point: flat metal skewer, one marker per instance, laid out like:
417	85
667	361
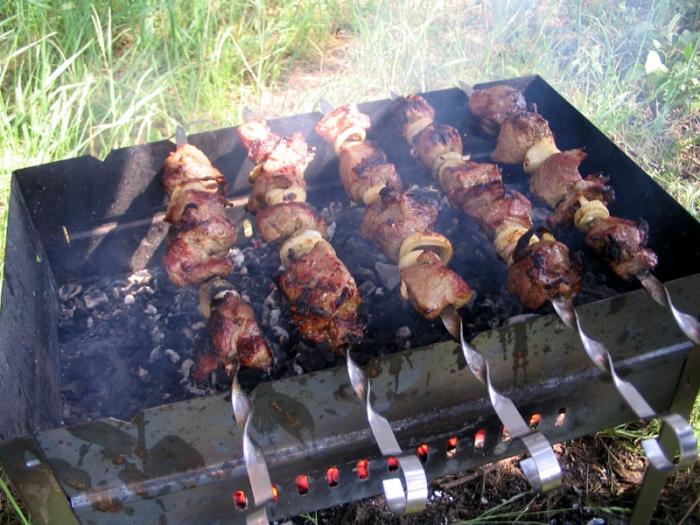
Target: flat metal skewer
661	459
542	468
414	498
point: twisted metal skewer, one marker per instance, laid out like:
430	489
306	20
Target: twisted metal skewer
542	468
413	499
254	460
661	459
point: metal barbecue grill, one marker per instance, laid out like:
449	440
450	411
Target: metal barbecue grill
81	221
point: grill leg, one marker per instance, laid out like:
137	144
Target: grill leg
682	403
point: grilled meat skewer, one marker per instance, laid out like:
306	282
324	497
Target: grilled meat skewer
323	295
536	274
199	239
397	222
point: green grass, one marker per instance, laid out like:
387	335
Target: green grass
79	78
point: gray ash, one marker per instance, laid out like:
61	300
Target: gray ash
130	342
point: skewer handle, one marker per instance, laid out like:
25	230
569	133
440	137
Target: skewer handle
254	460
542	468
400	502
661	459
688	324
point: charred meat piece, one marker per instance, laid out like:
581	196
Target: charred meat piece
542	272
281	221
342	118
290	155
457	181
492	105
621	243
196	250
188	165
258	139
554	177
410	115
592	188
235	332
394	216
518	133
493	205
431	286
436	140
199	206
363	166
324	297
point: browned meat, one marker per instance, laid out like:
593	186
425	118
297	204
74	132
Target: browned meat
457	181
493	204
556	175
290	155
340	119
431	286
235	332
621	243
410	115
324	297
188	165
542	272
518	133
201	205
435	140
493	104
269	181
593	188
281	221
196	250
258	139
395	216
363	166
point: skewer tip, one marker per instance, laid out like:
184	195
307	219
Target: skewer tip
180	135
247	114
393	95
467	88
326	107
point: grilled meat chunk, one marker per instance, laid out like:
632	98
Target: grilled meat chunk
592	188
324	297
281	221
235	332
342	118
518	133
542	272
559	172
258	139
290	155
196	250
457	181
493	205
492	105
410	115
431	286
267	181
436	140
187	165
199	206
395	216
621	243
363	166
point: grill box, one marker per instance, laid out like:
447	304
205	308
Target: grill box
73	220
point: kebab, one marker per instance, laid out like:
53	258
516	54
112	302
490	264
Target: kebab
199	239
322	292
525	137
400	227
323	295
539	266
397	222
